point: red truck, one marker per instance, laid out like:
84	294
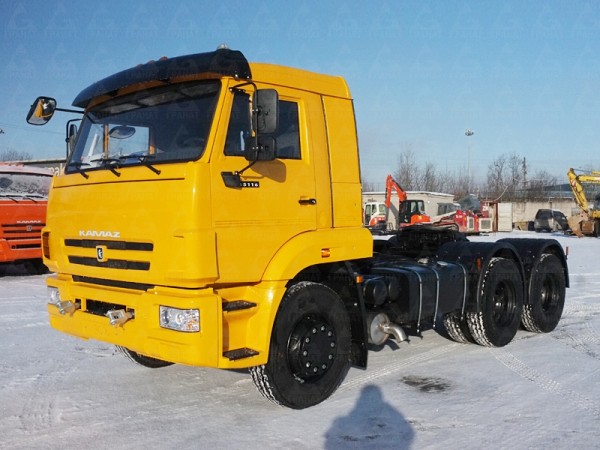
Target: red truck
23	199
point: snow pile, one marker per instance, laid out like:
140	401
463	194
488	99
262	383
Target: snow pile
540	391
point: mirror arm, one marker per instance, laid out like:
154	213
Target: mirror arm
239	172
76	111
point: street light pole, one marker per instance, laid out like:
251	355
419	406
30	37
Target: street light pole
469	133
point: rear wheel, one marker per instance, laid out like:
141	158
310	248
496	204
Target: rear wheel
546	296
310	348
143	360
457	328
497	321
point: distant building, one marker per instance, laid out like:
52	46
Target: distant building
55	165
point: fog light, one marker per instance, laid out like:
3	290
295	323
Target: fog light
67	307
187	320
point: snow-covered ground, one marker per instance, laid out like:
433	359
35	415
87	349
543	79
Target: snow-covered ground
540	391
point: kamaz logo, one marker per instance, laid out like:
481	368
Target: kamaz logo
96	233
100	255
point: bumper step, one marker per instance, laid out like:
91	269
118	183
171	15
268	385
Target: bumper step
239	353
237	305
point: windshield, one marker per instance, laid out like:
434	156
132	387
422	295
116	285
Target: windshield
24	185
164	124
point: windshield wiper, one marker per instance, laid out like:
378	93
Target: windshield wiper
77	165
10	196
143	159
111	164
22	196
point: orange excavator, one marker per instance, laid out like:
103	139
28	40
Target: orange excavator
406	212
410	212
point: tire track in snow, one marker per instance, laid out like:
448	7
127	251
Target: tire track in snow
394	366
579	328
546	383
586	341
39	410
575	307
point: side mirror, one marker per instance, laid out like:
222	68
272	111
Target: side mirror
260	148
41	111
265	114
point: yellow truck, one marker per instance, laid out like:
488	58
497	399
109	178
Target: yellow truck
210	214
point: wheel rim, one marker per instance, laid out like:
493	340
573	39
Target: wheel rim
504	303
312	347
549	293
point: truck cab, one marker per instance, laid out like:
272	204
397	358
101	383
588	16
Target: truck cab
23	199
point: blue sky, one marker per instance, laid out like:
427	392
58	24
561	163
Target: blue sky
524	75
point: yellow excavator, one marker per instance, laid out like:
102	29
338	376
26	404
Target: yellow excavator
586	185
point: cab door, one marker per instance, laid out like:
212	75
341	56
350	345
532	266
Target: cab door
277	200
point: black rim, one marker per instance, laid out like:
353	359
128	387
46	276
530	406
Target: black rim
549	294
312	347
504	303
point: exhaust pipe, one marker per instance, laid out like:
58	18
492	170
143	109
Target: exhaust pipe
380	329
395	330
118	317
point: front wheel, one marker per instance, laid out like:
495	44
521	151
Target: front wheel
497	321
310	348
546	296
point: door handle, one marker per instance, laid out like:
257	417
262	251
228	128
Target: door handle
308	201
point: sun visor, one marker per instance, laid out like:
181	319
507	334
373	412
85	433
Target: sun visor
222	62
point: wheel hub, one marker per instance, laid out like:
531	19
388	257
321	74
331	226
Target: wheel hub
504	304
548	294
312	347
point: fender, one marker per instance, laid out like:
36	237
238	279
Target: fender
476	257
530	251
318	247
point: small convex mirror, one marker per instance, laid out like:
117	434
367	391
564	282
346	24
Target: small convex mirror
121	132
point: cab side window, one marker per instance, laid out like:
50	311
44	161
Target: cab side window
287	136
239	125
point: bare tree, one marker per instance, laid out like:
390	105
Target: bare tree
540	183
367	186
408	172
14	155
507	178
505	175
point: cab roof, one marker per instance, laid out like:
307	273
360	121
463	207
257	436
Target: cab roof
221	62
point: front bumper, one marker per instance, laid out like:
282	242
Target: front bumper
143	333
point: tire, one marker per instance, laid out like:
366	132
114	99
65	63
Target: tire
497	322
457	329
309	354
143	360
546	296
36	267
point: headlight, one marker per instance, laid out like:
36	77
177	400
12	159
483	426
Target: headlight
53	295
187	320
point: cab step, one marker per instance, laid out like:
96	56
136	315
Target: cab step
237	305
